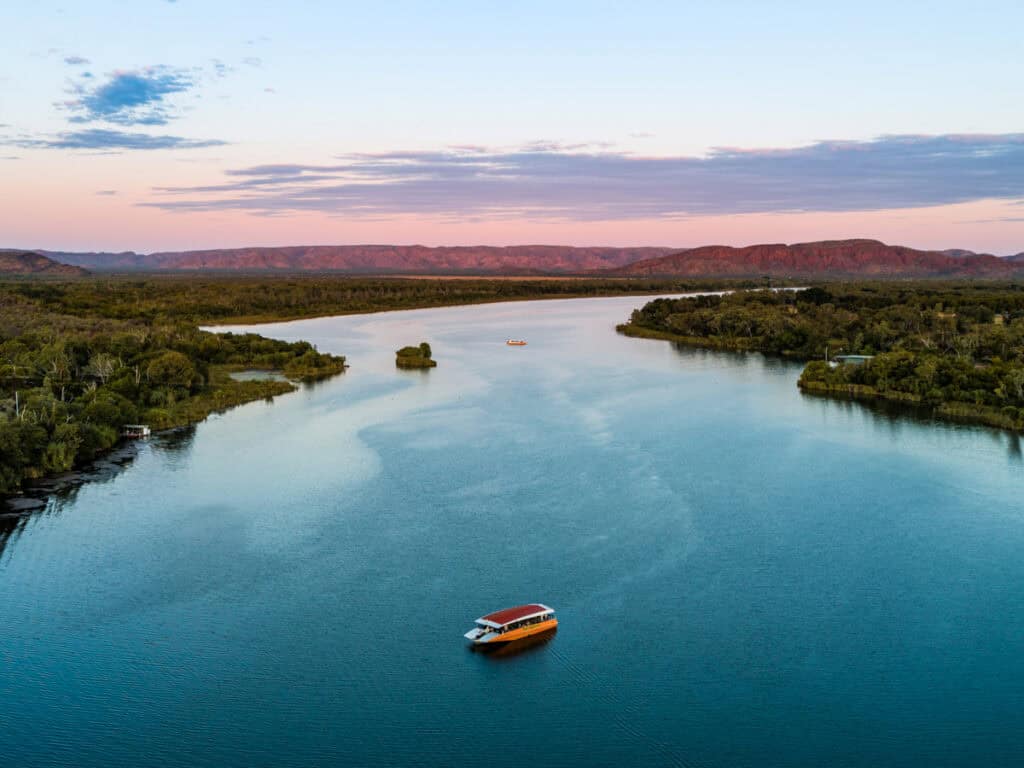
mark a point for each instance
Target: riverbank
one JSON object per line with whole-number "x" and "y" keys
{"x": 36, "y": 494}
{"x": 72, "y": 379}
{"x": 227, "y": 393}
{"x": 955, "y": 350}
{"x": 959, "y": 412}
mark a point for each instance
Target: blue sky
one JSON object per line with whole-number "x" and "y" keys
{"x": 131, "y": 124}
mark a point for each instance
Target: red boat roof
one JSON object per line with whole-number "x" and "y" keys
{"x": 514, "y": 614}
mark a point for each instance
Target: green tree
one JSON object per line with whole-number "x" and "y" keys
{"x": 62, "y": 450}
{"x": 172, "y": 369}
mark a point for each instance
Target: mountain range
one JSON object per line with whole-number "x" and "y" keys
{"x": 840, "y": 258}
{"x": 375, "y": 259}
{"x": 29, "y": 263}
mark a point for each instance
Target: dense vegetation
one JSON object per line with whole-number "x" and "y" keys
{"x": 956, "y": 348}
{"x": 68, "y": 384}
{"x": 415, "y": 357}
{"x": 224, "y": 299}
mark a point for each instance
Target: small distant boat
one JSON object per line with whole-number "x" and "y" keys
{"x": 511, "y": 624}
{"x": 516, "y": 343}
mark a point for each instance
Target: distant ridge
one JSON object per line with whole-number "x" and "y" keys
{"x": 99, "y": 260}
{"x": 841, "y": 258}
{"x": 962, "y": 252}
{"x": 376, "y": 259}
{"x": 30, "y": 263}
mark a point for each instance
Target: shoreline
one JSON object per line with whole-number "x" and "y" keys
{"x": 36, "y": 491}
{"x": 952, "y": 411}
{"x": 956, "y": 412}
{"x": 274, "y": 319}
{"x": 36, "y": 494}
{"x": 25, "y": 501}
{"x": 53, "y": 484}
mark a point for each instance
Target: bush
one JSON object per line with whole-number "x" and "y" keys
{"x": 172, "y": 369}
{"x": 62, "y": 450}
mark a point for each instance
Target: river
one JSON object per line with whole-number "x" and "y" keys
{"x": 744, "y": 576}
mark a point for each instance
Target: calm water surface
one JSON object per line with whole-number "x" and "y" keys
{"x": 744, "y": 576}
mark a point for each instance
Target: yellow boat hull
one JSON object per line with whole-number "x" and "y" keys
{"x": 519, "y": 634}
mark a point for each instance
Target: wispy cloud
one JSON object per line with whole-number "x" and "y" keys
{"x": 102, "y": 139}
{"x": 220, "y": 69}
{"x": 75, "y": 61}
{"x": 133, "y": 97}
{"x": 545, "y": 180}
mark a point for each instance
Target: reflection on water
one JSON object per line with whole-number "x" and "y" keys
{"x": 891, "y": 415}
{"x": 896, "y": 416}
{"x": 9, "y": 525}
{"x": 316, "y": 384}
{"x": 174, "y": 440}
{"x": 732, "y": 359}
{"x": 51, "y": 496}
{"x": 413, "y": 372}
{"x": 885, "y": 410}
{"x": 527, "y": 645}
{"x": 718, "y": 356}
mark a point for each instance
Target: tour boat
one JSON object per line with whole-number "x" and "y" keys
{"x": 512, "y": 624}
{"x": 516, "y": 343}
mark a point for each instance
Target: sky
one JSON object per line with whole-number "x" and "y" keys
{"x": 153, "y": 125}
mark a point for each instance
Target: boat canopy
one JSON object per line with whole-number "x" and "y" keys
{"x": 499, "y": 619}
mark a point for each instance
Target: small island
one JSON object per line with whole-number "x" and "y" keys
{"x": 415, "y": 357}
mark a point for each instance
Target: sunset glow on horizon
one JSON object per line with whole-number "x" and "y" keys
{"x": 228, "y": 124}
